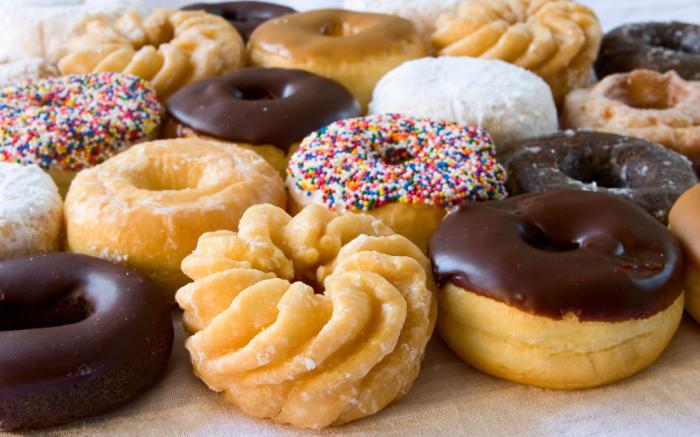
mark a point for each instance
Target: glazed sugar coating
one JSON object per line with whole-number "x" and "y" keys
{"x": 74, "y": 122}
{"x": 169, "y": 48}
{"x": 646, "y": 173}
{"x": 556, "y": 39}
{"x": 511, "y": 103}
{"x": 363, "y": 163}
{"x": 280, "y": 351}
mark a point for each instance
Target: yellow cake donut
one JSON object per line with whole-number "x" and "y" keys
{"x": 684, "y": 221}
{"x": 147, "y": 206}
{"x": 353, "y": 48}
{"x": 556, "y": 39}
{"x": 315, "y": 320}
{"x": 169, "y": 48}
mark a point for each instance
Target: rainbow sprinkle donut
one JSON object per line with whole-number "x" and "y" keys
{"x": 68, "y": 123}
{"x": 382, "y": 162}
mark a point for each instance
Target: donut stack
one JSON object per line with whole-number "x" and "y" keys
{"x": 317, "y": 191}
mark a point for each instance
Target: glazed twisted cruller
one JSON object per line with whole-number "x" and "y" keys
{"x": 556, "y": 39}
{"x": 170, "y": 48}
{"x": 279, "y": 350}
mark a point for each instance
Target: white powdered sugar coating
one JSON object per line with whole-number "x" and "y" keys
{"x": 17, "y": 68}
{"x": 31, "y": 211}
{"x": 510, "y": 102}
{"x": 423, "y": 13}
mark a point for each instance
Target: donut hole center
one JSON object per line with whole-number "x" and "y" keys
{"x": 310, "y": 280}
{"x": 588, "y": 169}
{"x": 648, "y": 90}
{"x": 336, "y": 29}
{"x": 534, "y": 236}
{"x": 252, "y": 93}
{"x": 168, "y": 174}
{"x": 67, "y": 310}
{"x": 393, "y": 151}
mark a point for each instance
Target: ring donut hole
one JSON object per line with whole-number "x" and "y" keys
{"x": 66, "y": 310}
{"x": 168, "y": 172}
{"x": 648, "y": 90}
{"x": 538, "y": 238}
{"x": 394, "y": 149}
{"x": 337, "y": 28}
{"x": 589, "y": 168}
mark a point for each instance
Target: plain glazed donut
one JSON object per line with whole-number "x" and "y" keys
{"x": 662, "y": 108}
{"x": 79, "y": 336}
{"x": 153, "y": 201}
{"x": 684, "y": 221}
{"x": 563, "y": 289}
{"x": 509, "y": 102}
{"x": 404, "y": 170}
{"x": 648, "y": 174}
{"x": 31, "y": 211}
{"x": 244, "y": 16}
{"x": 313, "y": 320}
{"x": 353, "y": 48}
{"x": 652, "y": 46}
{"x": 69, "y": 123}
{"x": 267, "y": 110}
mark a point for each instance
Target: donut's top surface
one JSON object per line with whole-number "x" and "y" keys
{"x": 66, "y": 317}
{"x": 262, "y": 106}
{"x": 646, "y": 173}
{"x": 561, "y": 252}
{"x": 244, "y": 16}
{"x": 653, "y": 46}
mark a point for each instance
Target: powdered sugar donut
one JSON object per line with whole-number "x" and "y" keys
{"x": 31, "y": 211}
{"x": 17, "y": 68}
{"x": 423, "y": 13}
{"x": 510, "y": 102}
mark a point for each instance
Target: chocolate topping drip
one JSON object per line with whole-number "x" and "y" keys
{"x": 262, "y": 106}
{"x": 590, "y": 254}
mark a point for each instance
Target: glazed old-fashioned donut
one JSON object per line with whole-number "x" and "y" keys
{"x": 646, "y": 173}
{"x": 563, "y": 289}
{"x": 652, "y": 46}
{"x": 404, "y": 170}
{"x": 684, "y": 222}
{"x": 659, "y": 107}
{"x": 153, "y": 201}
{"x": 65, "y": 124}
{"x": 315, "y": 320}
{"x": 353, "y": 48}
{"x": 268, "y": 110}
{"x": 79, "y": 336}
{"x": 245, "y": 16}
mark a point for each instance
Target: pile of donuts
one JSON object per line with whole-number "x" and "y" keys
{"x": 316, "y": 191}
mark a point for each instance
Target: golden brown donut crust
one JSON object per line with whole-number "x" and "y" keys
{"x": 684, "y": 222}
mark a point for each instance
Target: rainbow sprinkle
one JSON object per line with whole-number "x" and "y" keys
{"x": 363, "y": 163}
{"x": 77, "y": 121}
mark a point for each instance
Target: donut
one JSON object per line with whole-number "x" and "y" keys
{"x": 153, "y": 201}
{"x": 315, "y": 320}
{"x": 79, "y": 335}
{"x": 508, "y": 101}
{"x": 659, "y": 107}
{"x": 564, "y": 289}
{"x": 405, "y": 171}
{"x": 69, "y": 123}
{"x": 353, "y": 48}
{"x": 268, "y": 110}
{"x": 646, "y": 173}
{"x": 31, "y": 211}
{"x": 20, "y": 68}
{"x": 423, "y": 13}
{"x": 556, "y": 39}
{"x": 244, "y": 16}
{"x": 684, "y": 223}
{"x": 169, "y": 48}
{"x": 652, "y": 46}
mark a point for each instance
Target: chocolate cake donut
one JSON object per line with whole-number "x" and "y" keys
{"x": 646, "y": 173}
{"x": 651, "y": 46}
{"x": 78, "y": 335}
{"x": 244, "y": 16}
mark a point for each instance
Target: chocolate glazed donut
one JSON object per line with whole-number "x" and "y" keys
{"x": 244, "y": 16}
{"x": 646, "y": 173}
{"x": 259, "y": 106}
{"x": 78, "y": 336}
{"x": 652, "y": 46}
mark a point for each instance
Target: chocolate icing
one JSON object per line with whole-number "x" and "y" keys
{"x": 646, "y": 173}
{"x": 78, "y": 335}
{"x": 653, "y": 46}
{"x": 563, "y": 251}
{"x": 244, "y": 16}
{"x": 262, "y": 106}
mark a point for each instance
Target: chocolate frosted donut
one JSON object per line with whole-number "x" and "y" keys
{"x": 244, "y": 16}
{"x": 652, "y": 46}
{"x": 646, "y": 173}
{"x": 78, "y": 335}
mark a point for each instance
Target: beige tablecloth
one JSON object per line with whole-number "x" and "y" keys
{"x": 449, "y": 398}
